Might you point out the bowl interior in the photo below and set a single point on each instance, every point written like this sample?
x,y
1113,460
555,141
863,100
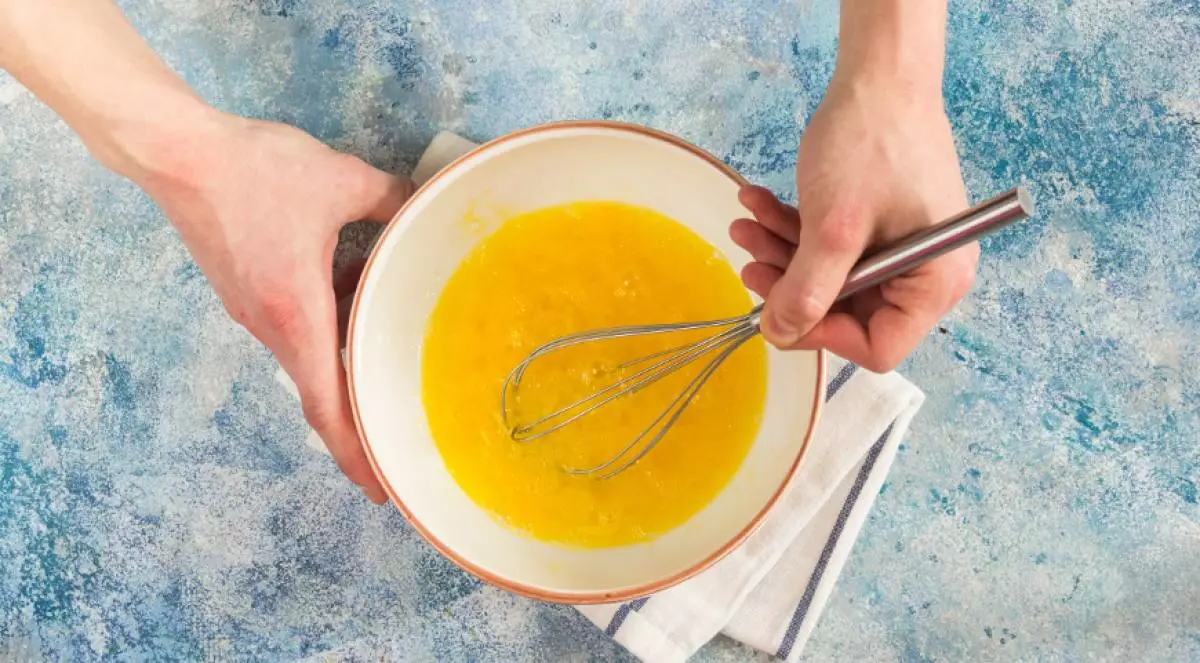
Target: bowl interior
x,y
421,250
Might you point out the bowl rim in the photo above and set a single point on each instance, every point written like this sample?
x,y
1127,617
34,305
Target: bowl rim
x,y
529,591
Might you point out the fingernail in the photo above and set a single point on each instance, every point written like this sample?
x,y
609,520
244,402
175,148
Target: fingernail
x,y
782,330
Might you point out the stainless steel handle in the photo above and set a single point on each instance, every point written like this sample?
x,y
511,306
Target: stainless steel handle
x,y
925,245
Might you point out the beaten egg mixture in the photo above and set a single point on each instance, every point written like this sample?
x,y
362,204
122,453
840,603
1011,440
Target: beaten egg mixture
x,y
567,269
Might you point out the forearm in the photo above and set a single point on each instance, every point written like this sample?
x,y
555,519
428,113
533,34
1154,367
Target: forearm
x,y
898,44
84,60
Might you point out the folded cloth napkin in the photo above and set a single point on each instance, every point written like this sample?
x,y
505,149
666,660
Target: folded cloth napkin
x,y
769,592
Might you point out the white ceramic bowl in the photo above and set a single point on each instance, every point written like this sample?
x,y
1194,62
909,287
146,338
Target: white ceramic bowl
x,y
415,256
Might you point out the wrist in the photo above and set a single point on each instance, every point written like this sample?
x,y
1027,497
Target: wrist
x,y
897,97
173,142
893,46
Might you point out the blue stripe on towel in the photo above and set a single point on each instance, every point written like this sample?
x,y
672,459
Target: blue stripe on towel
x,y
622,613
789,637
839,381
835,385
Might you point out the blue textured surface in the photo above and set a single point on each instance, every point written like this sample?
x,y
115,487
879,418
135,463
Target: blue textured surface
x,y
157,499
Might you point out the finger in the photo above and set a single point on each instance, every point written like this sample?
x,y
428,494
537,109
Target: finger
x,y
913,303
781,219
825,253
863,305
883,325
303,334
842,334
762,244
889,336
377,195
760,278
932,289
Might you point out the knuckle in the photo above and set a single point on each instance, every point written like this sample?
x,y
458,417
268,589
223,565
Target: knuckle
x,y
237,311
319,415
350,163
964,275
279,312
802,308
356,173
955,276
359,475
840,233
885,358
880,363
962,285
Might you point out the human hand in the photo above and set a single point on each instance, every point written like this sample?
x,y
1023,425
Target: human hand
x,y
259,206
873,167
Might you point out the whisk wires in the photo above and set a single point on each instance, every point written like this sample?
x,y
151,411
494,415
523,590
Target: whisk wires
x,y
717,347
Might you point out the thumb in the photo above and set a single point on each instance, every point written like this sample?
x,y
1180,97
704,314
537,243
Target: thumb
x,y
825,253
302,332
378,195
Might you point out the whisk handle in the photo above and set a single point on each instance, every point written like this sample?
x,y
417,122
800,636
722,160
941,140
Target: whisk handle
x,y
925,245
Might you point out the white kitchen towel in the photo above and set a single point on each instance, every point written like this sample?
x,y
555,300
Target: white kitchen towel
x,y
769,592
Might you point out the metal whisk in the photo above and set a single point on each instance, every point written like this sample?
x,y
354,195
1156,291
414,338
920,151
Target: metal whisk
x,y
906,254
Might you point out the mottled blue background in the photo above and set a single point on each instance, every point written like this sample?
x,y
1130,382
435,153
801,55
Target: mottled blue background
x,y
157,499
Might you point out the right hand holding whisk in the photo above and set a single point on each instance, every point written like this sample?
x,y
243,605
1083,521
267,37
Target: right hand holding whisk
x,y
873,166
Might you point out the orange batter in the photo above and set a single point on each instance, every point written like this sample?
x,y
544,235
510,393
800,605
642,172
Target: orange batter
x,y
562,270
